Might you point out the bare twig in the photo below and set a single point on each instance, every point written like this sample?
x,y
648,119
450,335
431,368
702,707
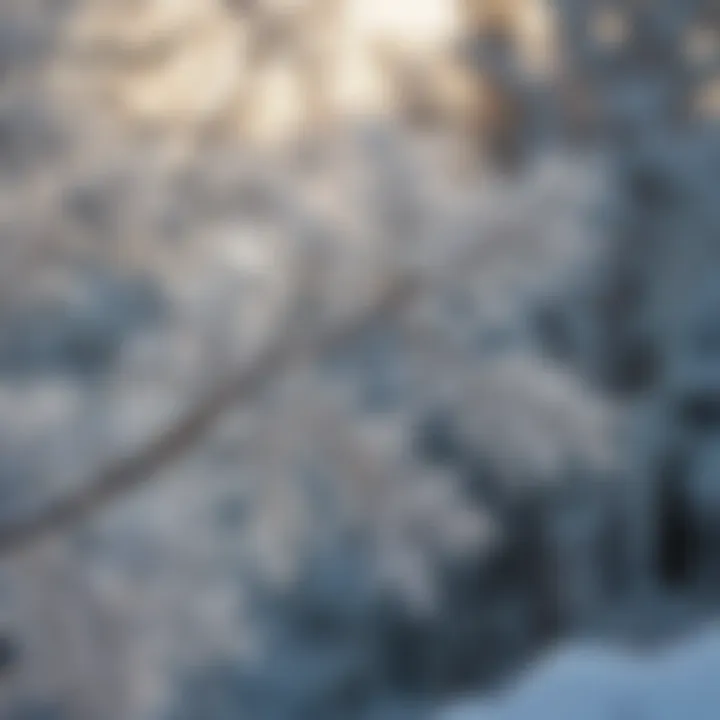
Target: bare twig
x,y
126,474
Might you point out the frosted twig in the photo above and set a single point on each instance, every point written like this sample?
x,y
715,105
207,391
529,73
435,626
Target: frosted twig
x,y
126,474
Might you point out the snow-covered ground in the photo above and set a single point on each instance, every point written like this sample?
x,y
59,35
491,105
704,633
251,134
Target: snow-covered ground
x,y
596,682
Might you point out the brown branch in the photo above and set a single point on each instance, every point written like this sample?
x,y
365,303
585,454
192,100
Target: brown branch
x,y
126,474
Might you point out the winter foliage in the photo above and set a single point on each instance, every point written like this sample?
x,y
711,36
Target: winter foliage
x,y
522,454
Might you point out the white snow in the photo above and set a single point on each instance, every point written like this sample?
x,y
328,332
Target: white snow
x,y
598,683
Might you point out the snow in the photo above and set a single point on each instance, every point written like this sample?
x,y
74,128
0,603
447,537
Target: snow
x,y
592,682
426,491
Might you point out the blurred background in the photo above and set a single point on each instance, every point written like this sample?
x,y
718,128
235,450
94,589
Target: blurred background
x,y
359,359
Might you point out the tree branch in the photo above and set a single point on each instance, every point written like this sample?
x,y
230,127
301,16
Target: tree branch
x,y
126,474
